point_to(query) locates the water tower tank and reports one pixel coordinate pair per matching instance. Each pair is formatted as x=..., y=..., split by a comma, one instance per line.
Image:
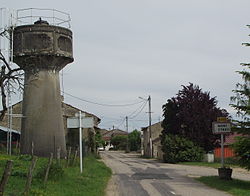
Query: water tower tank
x=42, y=50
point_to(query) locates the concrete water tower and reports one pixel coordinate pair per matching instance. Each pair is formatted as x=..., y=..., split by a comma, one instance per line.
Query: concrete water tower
x=42, y=50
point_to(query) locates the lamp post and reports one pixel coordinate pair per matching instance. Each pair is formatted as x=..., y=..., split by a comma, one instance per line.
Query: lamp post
x=149, y=126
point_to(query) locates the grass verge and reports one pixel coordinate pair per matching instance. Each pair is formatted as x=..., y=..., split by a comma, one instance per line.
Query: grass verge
x=229, y=162
x=92, y=182
x=205, y=164
x=234, y=187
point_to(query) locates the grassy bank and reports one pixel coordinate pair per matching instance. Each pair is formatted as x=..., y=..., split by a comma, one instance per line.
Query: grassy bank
x=204, y=164
x=213, y=165
x=66, y=181
x=229, y=162
x=234, y=187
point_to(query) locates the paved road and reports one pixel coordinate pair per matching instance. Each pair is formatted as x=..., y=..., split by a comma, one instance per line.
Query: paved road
x=133, y=176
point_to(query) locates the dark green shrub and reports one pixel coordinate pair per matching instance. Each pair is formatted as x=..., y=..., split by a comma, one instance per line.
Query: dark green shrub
x=242, y=150
x=119, y=142
x=179, y=149
x=134, y=140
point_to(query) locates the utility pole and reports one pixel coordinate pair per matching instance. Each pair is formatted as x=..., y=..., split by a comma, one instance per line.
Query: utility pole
x=127, y=149
x=149, y=127
x=9, y=103
x=80, y=139
x=9, y=134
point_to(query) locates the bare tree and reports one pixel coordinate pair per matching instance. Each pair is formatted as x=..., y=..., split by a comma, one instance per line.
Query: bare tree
x=11, y=78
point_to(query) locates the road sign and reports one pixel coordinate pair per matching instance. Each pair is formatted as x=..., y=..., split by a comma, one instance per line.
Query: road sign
x=221, y=127
x=86, y=122
x=222, y=119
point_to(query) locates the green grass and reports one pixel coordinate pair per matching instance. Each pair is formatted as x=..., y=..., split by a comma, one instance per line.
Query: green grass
x=205, y=164
x=234, y=187
x=229, y=162
x=92, y=182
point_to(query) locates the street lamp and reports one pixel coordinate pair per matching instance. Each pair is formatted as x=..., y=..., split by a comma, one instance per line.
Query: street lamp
x=149, y=125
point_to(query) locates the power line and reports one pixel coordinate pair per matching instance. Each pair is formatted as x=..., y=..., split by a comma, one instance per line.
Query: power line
x=111, y=118
x=144, y=120
x=112, y=121
x=131, y=114
x=142, y=107
x=121, y=123
x=102, y=104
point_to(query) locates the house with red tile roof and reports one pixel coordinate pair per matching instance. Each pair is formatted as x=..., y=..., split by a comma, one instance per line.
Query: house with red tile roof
x=107, y=136
x=228, y=151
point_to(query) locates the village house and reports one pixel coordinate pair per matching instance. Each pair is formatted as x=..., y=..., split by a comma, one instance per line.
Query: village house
x=156, y=130
x=108, y=135
x=71, y=135
x=15, y=125
x=228, y=151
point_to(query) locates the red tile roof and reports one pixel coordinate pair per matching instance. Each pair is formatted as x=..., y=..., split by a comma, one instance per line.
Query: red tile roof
x=230, y=139
x=108, y=135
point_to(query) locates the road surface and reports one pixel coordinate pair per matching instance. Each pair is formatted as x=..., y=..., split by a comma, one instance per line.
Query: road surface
x=134, y=176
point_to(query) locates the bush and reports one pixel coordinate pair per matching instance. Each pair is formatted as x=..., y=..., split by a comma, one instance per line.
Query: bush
x=242, y=150
x=134, y=140
x=119, y=142
x=179, y=149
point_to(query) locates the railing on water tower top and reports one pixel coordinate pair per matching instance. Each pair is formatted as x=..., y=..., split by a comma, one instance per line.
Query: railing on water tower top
x=52, y=16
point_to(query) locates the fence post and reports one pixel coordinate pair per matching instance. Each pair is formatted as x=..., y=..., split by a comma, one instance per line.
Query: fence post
x=68, y=157
x=5, y=176
x=32, y=148
x=75, y=156
x=48, y=168
x=58, y=155
x=29, y=177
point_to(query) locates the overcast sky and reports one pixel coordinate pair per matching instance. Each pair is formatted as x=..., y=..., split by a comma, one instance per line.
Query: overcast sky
x=124, y=49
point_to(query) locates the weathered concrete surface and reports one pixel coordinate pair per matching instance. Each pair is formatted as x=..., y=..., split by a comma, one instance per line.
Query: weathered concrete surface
x=43, y=122
x=133, y=176
x=42, y=50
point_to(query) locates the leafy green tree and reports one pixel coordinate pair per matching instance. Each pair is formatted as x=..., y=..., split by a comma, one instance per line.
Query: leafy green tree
x=241, y=102
x=119, y=142
x=134, y=140
x=190, y=114
x=179, y=149
x=98, y=139
x=242, y=149
x=91, y=144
